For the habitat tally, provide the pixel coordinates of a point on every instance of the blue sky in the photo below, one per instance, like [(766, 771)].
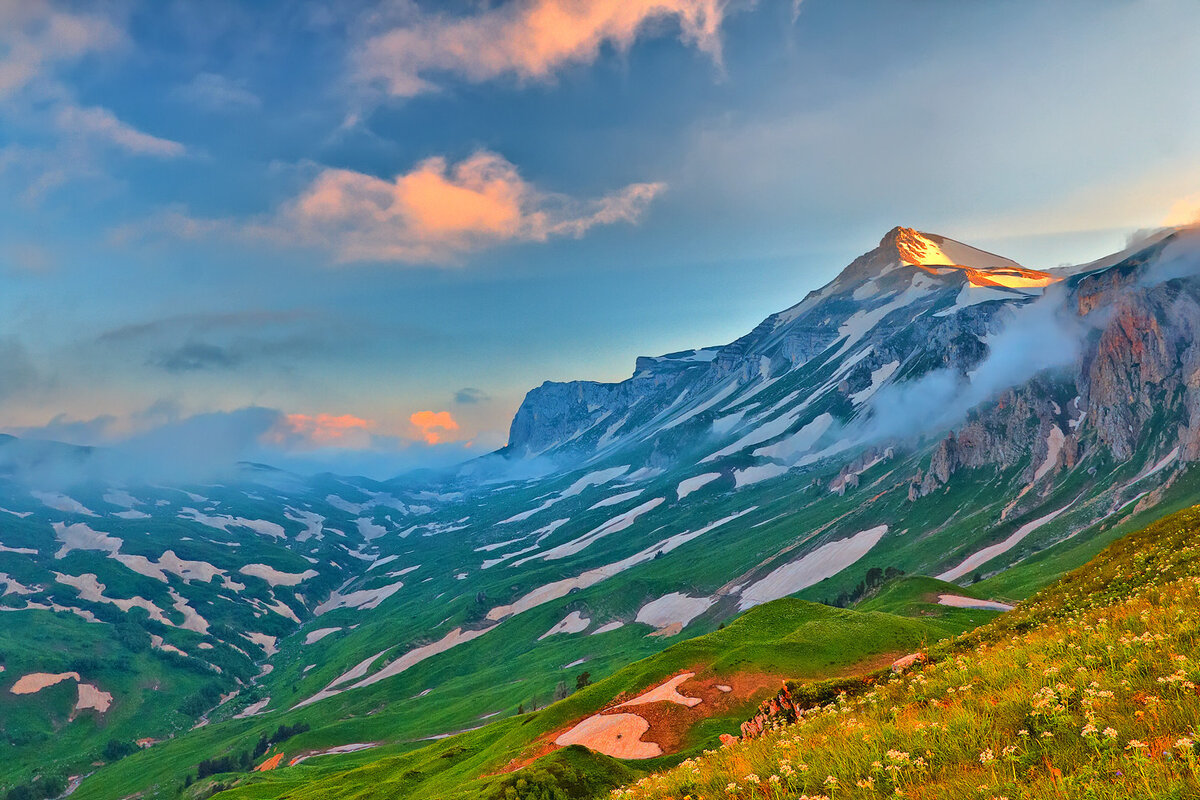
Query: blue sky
[(353, 234)]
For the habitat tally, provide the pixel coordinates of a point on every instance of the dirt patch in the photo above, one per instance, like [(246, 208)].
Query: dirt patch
[(657, 721), (671, 722), (35, 682), (669, 630)]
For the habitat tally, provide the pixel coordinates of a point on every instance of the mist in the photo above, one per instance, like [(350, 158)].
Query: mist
[(1042, 335)]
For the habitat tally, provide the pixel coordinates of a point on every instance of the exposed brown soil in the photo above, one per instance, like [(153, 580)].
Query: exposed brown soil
[(670, 722)]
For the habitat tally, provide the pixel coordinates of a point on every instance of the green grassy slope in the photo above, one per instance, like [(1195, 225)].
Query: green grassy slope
[(1087, 690), (784, 638)]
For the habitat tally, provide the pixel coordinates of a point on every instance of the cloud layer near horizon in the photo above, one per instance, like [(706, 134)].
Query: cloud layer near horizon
[(528, 39)]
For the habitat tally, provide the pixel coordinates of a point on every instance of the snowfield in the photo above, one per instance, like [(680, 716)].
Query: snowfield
[(808, 570)]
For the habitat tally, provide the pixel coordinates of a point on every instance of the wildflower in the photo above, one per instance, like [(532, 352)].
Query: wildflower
[(1134, 744), (986, 757), (1088, 730), (831, 780), (1110, 733)]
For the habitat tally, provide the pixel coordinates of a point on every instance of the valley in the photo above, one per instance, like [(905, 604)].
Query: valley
[(934, 437)]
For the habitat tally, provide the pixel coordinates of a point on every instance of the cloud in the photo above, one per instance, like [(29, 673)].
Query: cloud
[(198, 342), (195, 356), (470, 396), (528, 39), (433, 214), (216, 93), (322, 430), (34, 36), (438, 210), (433, 425), (1040, 335), (1185, 211), (102, 125)]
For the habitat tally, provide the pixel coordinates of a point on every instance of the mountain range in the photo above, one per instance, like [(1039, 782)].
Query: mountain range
[(937, 421)]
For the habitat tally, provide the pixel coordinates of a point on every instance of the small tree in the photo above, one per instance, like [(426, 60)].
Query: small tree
[(582, 680)]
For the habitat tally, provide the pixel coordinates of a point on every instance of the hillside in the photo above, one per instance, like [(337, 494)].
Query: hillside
[(935, 410), (750, 657), (1086, 690)]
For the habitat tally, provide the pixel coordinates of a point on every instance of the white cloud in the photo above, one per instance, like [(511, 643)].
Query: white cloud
[(216, 93), (102, 125)]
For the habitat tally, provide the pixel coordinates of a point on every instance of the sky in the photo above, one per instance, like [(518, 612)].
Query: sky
[(351, 235)]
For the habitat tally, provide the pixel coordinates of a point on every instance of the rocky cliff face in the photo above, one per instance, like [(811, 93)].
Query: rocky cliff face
[(851, 370), (1135, 380)]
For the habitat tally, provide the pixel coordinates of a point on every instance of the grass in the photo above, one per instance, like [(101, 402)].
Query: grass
[(1087, 690), (785, 638)]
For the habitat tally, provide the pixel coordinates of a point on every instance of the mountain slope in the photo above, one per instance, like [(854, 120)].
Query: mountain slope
[(935, 410), (1087, 690)]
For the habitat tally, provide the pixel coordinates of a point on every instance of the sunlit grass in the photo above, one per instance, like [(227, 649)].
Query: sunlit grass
[(1086, 691)]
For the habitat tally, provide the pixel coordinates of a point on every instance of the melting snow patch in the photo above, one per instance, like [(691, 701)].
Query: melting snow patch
[(988, 553), (958, 601), (1054, 444), (812, 568), (878, 378), (572, 623), (253, 710), (275, 577), (78, 536), (799, 442), (312, 637), (674, 608), (222, 522), (689, 485), (364, 599), (752, 475), (60, 502), (614, 525), (616, 498), (608, 626)]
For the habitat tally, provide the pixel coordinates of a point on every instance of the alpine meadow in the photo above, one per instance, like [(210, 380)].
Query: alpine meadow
[(332, 464)]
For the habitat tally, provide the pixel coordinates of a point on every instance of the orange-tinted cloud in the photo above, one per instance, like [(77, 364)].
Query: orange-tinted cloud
[(440, 210), (323, 430), (433, 425), (1185, 211), (529, 39)]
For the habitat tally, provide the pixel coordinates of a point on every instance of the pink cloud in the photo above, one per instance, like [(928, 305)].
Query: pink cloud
[(529, 39), (34, 36), (433, 425), (321, 430), (440, 210)]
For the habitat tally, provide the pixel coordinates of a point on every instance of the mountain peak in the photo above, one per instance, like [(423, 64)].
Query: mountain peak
[(941, 255), (919, 249)]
